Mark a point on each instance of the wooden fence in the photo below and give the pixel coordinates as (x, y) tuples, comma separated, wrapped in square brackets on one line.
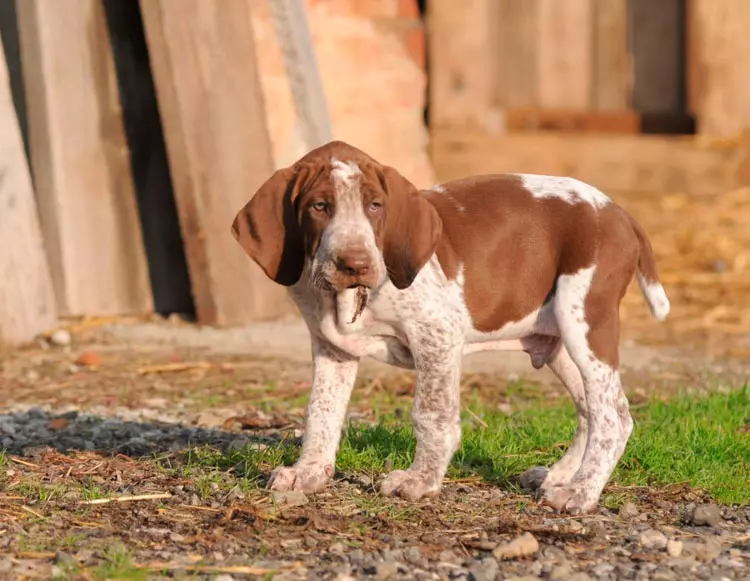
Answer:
[(124, 217), (628, 94)]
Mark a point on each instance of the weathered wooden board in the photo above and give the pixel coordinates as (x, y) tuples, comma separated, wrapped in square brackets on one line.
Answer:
[(611, 74), (719, 65), (27, 301), (565, 66), (530, 119), (514, 35), (657, 164), (80, 160), (656, 43), (461, 60), (203, 61)]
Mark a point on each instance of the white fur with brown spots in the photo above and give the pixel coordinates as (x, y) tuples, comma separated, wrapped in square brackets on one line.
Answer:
[(430, 323)]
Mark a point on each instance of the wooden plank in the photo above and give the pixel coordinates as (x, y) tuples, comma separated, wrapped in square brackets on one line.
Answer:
[(203, 61), (657, 164), (656, 43), (529, 119), (27, 300), (611, 62), (565, 53), (460, 62), (148, 158), (515, 43), (80, 160), (719, 61)]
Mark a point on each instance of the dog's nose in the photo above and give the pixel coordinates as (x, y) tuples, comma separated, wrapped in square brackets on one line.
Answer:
[(355, 262)]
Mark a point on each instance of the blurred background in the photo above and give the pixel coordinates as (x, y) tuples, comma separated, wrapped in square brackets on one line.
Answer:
[(131, 133)]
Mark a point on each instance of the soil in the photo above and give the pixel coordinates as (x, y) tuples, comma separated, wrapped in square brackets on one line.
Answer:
[(112, 410)]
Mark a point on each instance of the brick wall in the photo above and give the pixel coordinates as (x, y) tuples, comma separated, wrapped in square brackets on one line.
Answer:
[(371, 59)]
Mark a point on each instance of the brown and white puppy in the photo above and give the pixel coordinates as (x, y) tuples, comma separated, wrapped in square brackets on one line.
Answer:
[(497, 262)]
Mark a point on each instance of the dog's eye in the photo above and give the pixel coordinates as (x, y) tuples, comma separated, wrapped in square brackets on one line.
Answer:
[(375, 207), (320, 206)]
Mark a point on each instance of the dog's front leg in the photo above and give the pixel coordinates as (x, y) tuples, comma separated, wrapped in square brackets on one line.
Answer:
[(334, 373), (436, 421)]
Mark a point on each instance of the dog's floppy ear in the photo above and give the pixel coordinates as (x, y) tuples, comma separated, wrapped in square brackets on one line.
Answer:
[(268, 231), (412, 229)]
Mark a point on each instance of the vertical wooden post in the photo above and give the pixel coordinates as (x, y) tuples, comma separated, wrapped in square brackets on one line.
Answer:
[(80, 159), (461, 84), (611, 82), (203, 61), (719, 65), (27, 301), (656, 45), (515, 38), (565, 53)]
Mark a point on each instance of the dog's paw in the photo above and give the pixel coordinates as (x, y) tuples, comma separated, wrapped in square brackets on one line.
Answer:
[(307, 478), (570, 498), (409, 485)]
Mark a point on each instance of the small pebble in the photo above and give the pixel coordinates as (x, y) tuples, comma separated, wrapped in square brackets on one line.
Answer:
[(413, 555), (653, 539), (629, 510), (702, 550), (385, 569), (61, 337), (522, 546), (707, 515), (560, 572), (485, 570), (603, 570), (89, 359), (674, 548)]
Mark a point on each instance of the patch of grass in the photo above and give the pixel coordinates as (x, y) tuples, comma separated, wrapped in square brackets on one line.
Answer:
[(698, 440), (91, 491), (37, 491), (118, 564)]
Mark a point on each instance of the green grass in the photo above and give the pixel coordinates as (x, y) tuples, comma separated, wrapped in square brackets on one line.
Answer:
[(698, 440), (118, 564)]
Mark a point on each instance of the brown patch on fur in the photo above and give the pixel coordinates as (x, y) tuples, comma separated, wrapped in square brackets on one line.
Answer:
[(619, 248), (511, 245), (412, 229)]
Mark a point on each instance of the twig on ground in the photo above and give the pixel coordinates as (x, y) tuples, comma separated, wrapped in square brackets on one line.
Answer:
[(128, 498), (17, 460), (477, 419), (175, 367), (32, 511)]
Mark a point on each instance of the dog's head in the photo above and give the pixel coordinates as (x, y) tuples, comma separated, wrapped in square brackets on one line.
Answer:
[(342, 216)]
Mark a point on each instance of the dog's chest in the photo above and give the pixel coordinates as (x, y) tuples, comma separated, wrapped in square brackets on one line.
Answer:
[(375, 332)]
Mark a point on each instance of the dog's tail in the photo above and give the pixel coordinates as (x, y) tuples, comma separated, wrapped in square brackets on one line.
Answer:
[(648, 277)]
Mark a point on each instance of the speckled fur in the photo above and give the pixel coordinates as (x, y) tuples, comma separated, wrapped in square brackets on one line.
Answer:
[(427, 327)]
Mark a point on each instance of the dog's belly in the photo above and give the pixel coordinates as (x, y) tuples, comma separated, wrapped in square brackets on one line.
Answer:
[(541, 321)]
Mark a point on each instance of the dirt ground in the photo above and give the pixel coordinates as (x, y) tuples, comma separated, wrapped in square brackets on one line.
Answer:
[(112, 410)]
